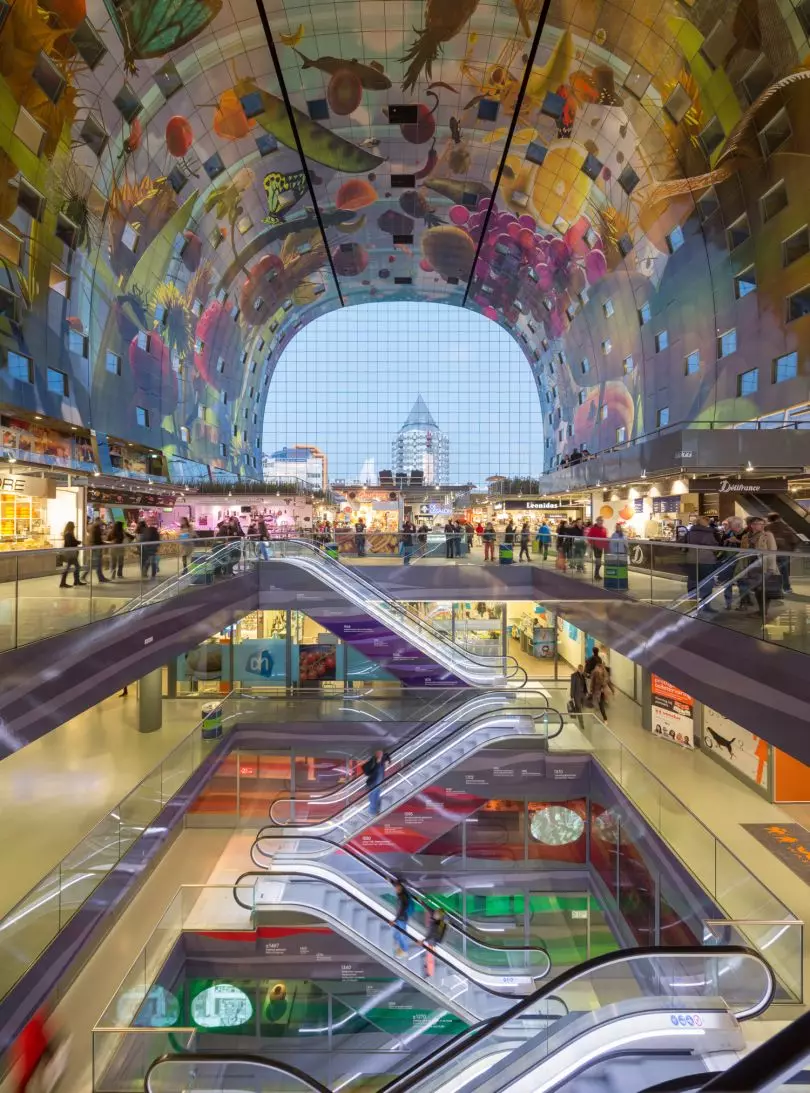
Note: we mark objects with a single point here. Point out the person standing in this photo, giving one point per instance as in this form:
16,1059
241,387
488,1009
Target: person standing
616,561
509,534
579,690
600,685
592,661
401,916
578,545
544,539
263,535
374,770
360,538
731,537
153,539
436,929
408,532
469,531
118,537
458,538
70,555
449,539
786,542
525,539
489,538
185,542
597,537
421,539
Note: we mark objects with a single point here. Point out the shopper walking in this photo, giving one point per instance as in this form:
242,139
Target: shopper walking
436,929
597,537
421,539
730,537
469,531
96,543
786,542
489,536
374,770
117,539
701,563
578,546
765,578
525,539
544,539
408,534
601,683
592,661
578,691
458,538
263,536
186,535
401,916
509,534
70,555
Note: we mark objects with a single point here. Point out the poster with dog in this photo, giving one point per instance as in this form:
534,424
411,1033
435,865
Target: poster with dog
735,746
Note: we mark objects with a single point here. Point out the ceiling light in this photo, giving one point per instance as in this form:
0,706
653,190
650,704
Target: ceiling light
750,466
11,459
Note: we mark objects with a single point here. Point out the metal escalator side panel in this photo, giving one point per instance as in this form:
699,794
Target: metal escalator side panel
171,1073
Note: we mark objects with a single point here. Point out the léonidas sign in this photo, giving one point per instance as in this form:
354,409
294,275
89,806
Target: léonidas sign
738,485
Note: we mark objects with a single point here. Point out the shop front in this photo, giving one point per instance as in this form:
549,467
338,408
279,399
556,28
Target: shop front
34,509
381,516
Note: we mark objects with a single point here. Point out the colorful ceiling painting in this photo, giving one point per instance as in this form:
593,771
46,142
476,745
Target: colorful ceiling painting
185,183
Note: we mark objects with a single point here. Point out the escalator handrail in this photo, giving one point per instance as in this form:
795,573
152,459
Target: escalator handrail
399,608
770,1064
422,756
463,1040
223,1058
336,882
452,918
156,594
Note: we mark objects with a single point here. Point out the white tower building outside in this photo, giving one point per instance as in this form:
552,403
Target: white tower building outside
421,446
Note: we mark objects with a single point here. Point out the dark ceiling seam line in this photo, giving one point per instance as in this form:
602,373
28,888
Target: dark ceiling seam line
289,108
541,22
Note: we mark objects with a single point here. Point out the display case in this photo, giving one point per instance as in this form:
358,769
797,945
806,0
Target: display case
23,522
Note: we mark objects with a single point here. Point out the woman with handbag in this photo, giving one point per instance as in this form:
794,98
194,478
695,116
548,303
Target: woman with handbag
765,578
70,555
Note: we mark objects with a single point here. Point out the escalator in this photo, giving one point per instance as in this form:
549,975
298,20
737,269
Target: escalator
794,515
471,668
622,1023
345,812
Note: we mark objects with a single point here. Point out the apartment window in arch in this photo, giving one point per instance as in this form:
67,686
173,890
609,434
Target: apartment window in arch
692,362
798,304
661,340
748,383
727,343
57,382
142,417
621,434
662,417
745,282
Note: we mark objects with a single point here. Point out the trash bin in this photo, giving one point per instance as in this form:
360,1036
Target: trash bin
212,721
331,549
506,554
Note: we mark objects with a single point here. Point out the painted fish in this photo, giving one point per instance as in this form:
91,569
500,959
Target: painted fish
318,142
455,189
372,76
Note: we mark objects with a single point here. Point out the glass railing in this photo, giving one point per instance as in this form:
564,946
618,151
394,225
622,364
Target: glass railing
536,1031
755,918
37,919
312,809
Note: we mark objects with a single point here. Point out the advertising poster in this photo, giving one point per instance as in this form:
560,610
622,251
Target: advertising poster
736,747
317,664
672,713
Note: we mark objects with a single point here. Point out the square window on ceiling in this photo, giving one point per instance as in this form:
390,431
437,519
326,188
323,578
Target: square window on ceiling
691,363
745,282
113,363
796,246
19,366
10,246
607,346
9,306
637,81
727,343
536,152
128,103
561,225
318,109
748,383
488,110
244,224
625,245
59,282
775,133
712,136
707,203
675,239
130,237
177,178
592,238
628,179
215,238
469,199
252,104
644,314
57,382
717,44
266,143
553,105
627,365
168,80
661,340
774,201
88,44
591,167
678,104
30,200
214,166
94,135
802,9
785,368
798,304
584,366
738,232
758,78
662,417
67,231
48,76
608,308
29,131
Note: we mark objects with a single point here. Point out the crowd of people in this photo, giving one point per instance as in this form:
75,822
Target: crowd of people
591,686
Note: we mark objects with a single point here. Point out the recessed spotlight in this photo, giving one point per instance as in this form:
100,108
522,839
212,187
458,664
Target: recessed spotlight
750,466
12,459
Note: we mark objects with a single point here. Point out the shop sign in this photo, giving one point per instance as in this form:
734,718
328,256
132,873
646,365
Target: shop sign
516,505
738,485
435,509
672,713
735,746
24,486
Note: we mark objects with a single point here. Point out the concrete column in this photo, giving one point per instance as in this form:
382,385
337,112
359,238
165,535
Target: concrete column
150,701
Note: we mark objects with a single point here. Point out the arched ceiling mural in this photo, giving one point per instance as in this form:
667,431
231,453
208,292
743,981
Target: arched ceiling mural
185,183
